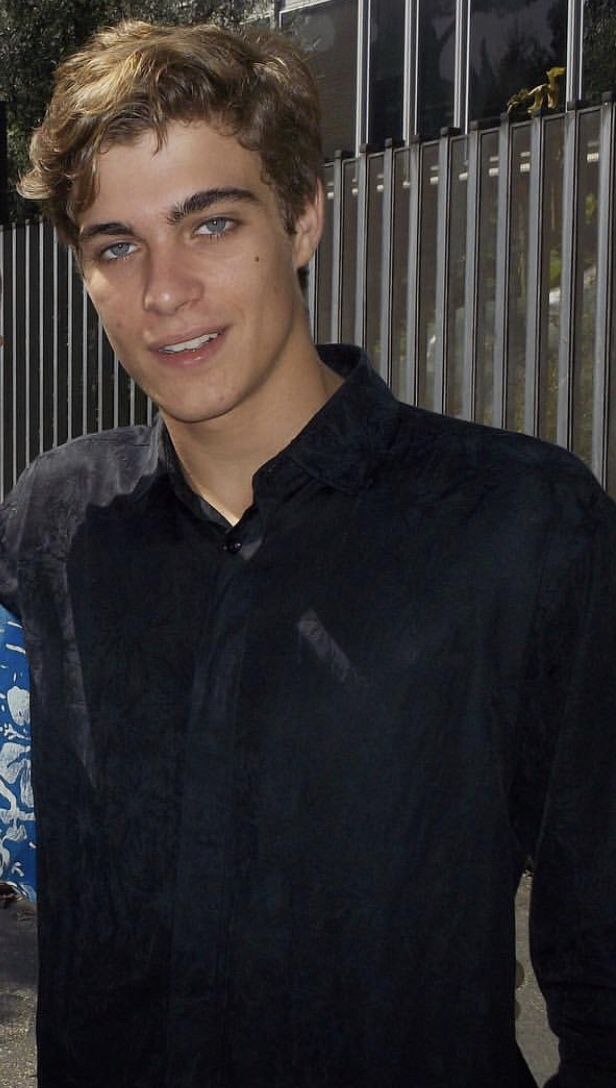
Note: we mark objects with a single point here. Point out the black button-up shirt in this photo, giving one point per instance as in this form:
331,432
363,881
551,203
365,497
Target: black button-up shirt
287,773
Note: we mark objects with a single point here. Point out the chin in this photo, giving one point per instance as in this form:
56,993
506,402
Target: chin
195,413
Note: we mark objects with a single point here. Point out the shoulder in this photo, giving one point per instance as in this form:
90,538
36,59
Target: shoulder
505,494
110,460
53,493
450,455
93,451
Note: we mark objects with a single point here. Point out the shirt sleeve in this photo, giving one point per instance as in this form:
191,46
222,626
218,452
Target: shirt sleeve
17,828
566,790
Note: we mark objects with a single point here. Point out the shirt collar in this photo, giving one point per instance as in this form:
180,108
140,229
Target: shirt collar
343,443
340,446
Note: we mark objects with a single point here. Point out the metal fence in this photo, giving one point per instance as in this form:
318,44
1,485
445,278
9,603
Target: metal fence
477,270
59,375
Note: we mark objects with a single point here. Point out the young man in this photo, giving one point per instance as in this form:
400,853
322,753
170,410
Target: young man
313,672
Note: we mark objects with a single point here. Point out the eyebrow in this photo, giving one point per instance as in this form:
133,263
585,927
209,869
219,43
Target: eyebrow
205,198
196,202
103,228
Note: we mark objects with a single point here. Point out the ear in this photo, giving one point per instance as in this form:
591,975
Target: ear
308,228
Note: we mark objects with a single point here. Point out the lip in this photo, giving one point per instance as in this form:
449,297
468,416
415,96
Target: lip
192,356
182,337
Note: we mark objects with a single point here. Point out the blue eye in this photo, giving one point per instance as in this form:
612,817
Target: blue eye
215,227
117,250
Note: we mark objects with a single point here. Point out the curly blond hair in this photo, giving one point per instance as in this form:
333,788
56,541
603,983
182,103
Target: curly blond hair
139,77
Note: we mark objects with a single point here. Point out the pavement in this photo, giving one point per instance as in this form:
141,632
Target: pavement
537,1043
17,995
18,998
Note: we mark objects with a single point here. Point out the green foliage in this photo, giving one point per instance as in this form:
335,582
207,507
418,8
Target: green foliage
35,35
599,48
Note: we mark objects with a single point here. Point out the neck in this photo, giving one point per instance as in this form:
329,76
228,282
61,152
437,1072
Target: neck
220,456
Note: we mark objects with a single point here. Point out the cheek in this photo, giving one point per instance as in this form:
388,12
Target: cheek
99,295
112,307
272,276
246,282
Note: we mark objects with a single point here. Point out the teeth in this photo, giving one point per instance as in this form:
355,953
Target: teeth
190,345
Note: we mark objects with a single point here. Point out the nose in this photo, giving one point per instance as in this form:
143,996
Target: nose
170,283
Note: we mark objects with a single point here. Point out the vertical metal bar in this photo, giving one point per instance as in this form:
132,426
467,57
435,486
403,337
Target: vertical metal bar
55,274
408,390
362,247
99,375
471,273
311,291
3,236
116,391
566,345
69,342
14,360
337,227
461,65
411,70
42,298
387,260
442,274
131,404
534,277
2,351
575,40
84,361
363,73
27,345
604,336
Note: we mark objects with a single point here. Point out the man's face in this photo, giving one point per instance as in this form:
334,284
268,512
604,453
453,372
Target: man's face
187,261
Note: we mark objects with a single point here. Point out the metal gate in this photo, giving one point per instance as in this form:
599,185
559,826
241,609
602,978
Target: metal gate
477,270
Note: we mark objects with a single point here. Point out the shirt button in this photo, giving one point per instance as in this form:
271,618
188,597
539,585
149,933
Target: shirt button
232,546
